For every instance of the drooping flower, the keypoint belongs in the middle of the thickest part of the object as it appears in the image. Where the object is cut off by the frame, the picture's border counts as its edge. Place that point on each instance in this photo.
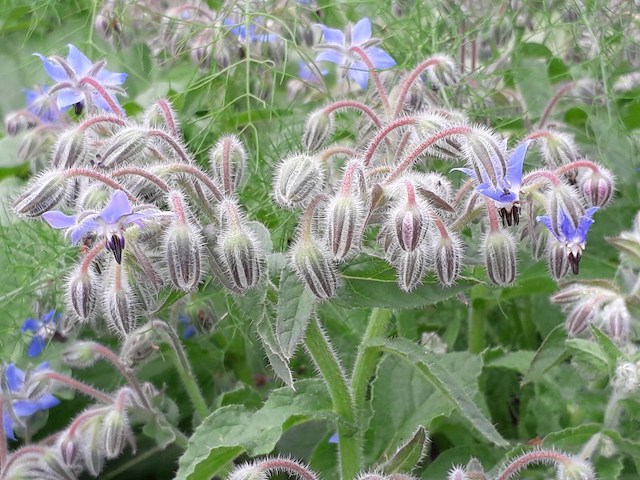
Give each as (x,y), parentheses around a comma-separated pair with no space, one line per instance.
(43,330)
(41,104)
(573,235)
(72,90)
(501,181)
(255,32)
(339,49)
(109,224)
(23,401)
(186,325)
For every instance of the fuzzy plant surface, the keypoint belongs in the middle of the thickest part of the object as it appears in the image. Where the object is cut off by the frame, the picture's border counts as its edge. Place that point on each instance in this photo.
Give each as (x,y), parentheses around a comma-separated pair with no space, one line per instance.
(254,240)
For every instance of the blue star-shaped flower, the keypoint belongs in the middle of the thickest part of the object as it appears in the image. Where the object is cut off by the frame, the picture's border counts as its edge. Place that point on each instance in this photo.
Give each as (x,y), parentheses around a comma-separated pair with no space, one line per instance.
(23,404)
(338,49)
(250,34)
(109,223)
(41,104)
(42,330)
(503,183)
(69,74)
(572,236)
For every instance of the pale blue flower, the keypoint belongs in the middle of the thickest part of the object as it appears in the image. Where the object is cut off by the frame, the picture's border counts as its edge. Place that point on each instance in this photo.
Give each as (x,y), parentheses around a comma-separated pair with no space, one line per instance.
(43,330)
(338,49)
(41,104)
(23,403)
(69,89)
(109,224)
(254,33)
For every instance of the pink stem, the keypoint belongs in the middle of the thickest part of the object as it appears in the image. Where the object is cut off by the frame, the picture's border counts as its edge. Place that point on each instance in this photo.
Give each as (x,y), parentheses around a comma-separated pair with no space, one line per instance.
(142,173)
(554,101)
(494,224)
(178,208)
(200,175)
(537,456)
(104,94)
(577,164)
(91,121)
(466,186)
(307,217)
(336,150)
(284,464)
(172,143)
(401,122)
(354,104)
(405,86)
(86,172)
(168,116)
(374,75)
(91,254)
(79,386)
(409,159)
(19,453)
(549,176)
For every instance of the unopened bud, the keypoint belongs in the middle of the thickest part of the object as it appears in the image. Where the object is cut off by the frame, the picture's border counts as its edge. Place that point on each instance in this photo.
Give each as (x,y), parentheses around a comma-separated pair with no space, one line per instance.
(317,130)
(298,179)
(411,268)
(91,445)
(71,149)
(35,143)
(311,263)
(457,473)
(559,149)
(617,320)
(344,225)
(183,255)
(68,449)
(201,50)
(126,146)
(447,255)
(627,378)
(57,466)
(138,345)
(444,73)
(577,469)
(428,124)
(582,313)
(557,259)
(80,355)
(18,121)
(228,162)
(242,258)
(121,309)
(114,432)
(248,471)
(42,194)
(597,187)
(81,292)
(500,257)
(28,465)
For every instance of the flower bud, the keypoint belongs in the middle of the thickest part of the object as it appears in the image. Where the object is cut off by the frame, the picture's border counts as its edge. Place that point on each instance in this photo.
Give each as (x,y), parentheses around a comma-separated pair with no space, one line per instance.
(317,130)
(344,225)
(311,262)
(248,471)
(457,473)
(499,251)
(627,379)
(34,144)
(70,149)
(57,466)
(127,145)
(114,432)
(447,256)
(409,225)
(68,449)
(582,313)
(183,255)
(42,194)
(228,163)
(298,179)
(427,125)
(201,50)
(444,73)
(80,355)
(90,443)
(242,258)
(28,465)
(558,149)
(18,121)
(557,259)
(617,320)
(597,187)
(411,267)
(81,292)
(138,345)
(577,469)
(121,309)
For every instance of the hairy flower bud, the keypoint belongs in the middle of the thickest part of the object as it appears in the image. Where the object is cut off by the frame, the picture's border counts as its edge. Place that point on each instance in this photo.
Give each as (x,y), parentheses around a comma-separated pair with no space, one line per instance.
(42,194)
(201,50)
(317,130)
(411,267)
(114,432)
(70,149)
(311,262)
(298,179)
(577,469)
(242,258)
(126,146)
(582,313)
(596,187)
(617,320)
(228,162)
(120,308)
(428,124)
(91,445)
(627,378)
(183,255)
(557,259)
(559,149)
(81,292)
(138,345)
(18,121)
(444,73)
(499,250)
(344,225)
(447,256)
(80,355)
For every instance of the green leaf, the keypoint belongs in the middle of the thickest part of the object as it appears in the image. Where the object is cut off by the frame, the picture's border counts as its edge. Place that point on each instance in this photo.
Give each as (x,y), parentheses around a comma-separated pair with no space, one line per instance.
(407,457)
(276,359)
(519,361)
(573,438)
(295,307)
(489,456)
(589,352)
(159,430)
(441,378)
(609,349)
(370,281)
(234,429)
(551,352)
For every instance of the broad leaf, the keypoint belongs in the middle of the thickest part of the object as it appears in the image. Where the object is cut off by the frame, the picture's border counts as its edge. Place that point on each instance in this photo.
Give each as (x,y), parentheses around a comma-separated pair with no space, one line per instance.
(407,457)
(277,360)
(295,307)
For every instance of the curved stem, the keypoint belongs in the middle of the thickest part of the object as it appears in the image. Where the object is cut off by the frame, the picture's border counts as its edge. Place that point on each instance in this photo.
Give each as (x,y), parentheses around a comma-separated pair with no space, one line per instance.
(323,355)
(141,173)
(78,386)
(575,165)
(543,174)
(115,108)
(307,217)
(336,150)
(374,75)
(96,120)
(492,213)
(183,366)
(406,84)
(285,465)
(354,104)
(537,456)
(169,140)
(401,122)
(169,119)
(199,174)
(553,102)
(86,172)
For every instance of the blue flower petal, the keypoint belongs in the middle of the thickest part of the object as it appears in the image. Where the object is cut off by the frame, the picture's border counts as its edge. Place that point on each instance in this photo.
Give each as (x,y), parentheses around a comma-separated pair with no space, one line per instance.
(568,229)
(359,74)
(24,408)
(31,325)
(53,69)
(334,438)
(585,224)
(58,219)
(546,221)
(50,316)
(361,32)
(36,346)
(7,423)
(330,56)
(379,58)
(100,102)
(332,35)
(117,207)
(88,225)
(467,171)
(111,79)
(516,163)
(490,191)
(68,97)
(78,61)
(15,377)
(47,401)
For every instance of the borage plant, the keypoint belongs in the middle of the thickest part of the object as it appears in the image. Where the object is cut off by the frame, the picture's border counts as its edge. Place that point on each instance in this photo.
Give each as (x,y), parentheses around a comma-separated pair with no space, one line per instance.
(406,194)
